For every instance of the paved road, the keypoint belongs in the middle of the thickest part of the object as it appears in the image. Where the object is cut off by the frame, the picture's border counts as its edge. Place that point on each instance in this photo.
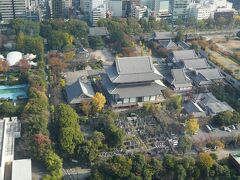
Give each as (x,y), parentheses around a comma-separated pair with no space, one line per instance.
(203,136)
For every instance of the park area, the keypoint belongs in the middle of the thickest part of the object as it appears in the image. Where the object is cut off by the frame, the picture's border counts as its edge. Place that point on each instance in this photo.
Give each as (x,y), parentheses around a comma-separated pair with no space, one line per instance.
(226,63)
(232,45)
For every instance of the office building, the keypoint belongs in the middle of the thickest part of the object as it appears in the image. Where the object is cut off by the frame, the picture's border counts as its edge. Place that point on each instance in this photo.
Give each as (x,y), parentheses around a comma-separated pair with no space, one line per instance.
(115,7)
(160,7)
(57,8)
(10,9)
(179,9)
(94,10)
(67,7)
(98,13)
(139,11)
(212,9)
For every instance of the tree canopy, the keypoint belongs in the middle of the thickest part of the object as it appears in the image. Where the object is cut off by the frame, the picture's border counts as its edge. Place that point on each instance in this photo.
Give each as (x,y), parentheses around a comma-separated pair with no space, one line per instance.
(99,101)
(192,126)
(69,133)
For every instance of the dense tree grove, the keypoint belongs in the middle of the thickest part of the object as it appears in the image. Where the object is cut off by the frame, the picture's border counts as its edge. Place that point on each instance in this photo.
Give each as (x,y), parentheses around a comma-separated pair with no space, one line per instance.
(27,27)
(30,44)
(171,167)
(68,129)
(226,118)
(105,124)
(63,32)
(35,141)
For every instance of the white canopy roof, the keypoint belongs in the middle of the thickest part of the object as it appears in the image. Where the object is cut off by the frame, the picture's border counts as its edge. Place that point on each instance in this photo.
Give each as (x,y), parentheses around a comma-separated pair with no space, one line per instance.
(14,57)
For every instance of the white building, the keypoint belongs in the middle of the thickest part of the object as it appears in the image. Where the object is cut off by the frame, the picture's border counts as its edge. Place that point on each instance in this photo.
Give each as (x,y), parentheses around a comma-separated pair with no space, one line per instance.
(9,130)
(94,10)
(139,11)
(98,13)
(10,9)
(206,8)
(22,169)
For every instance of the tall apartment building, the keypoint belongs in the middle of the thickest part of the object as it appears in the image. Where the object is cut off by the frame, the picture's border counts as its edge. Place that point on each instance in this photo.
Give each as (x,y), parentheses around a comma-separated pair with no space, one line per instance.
(179,9)
(67,7)
(10,9)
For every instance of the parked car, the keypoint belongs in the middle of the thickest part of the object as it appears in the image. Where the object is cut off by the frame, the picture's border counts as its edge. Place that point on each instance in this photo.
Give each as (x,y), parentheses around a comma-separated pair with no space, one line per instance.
(209,129)
(213,128)
(232,127)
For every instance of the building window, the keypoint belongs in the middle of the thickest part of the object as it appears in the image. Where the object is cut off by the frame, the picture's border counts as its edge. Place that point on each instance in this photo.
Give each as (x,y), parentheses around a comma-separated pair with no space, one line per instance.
(152,98)
(132,100)
(126,100)
(146,98)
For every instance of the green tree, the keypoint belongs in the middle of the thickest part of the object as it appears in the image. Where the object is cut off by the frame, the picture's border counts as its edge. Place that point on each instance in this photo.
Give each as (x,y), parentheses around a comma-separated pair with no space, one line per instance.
(180,172)
(175,103)
(60,40)
(96,42)
(69,133)
(119,166)
(7,109)
(226,118)
(54,165)
(138,163)
(69,138)
(185,144)
(169,161)
(20,41)
(180,35)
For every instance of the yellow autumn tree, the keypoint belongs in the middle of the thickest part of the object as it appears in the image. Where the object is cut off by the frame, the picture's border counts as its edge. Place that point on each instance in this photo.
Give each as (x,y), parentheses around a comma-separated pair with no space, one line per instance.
(206,160)
(237,20)
(192,126)
(99,101)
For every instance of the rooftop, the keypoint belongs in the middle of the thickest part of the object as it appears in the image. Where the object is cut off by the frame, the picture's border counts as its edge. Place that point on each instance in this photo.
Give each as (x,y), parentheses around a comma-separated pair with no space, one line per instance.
(98,31)
(22,169)
(213,104)
(204,76)
(210,74)
(168,44)
(133,90)
(184,54)
(79,91)
(133,69)
(72,77)
(199,63)
(162,35)
(179,78)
